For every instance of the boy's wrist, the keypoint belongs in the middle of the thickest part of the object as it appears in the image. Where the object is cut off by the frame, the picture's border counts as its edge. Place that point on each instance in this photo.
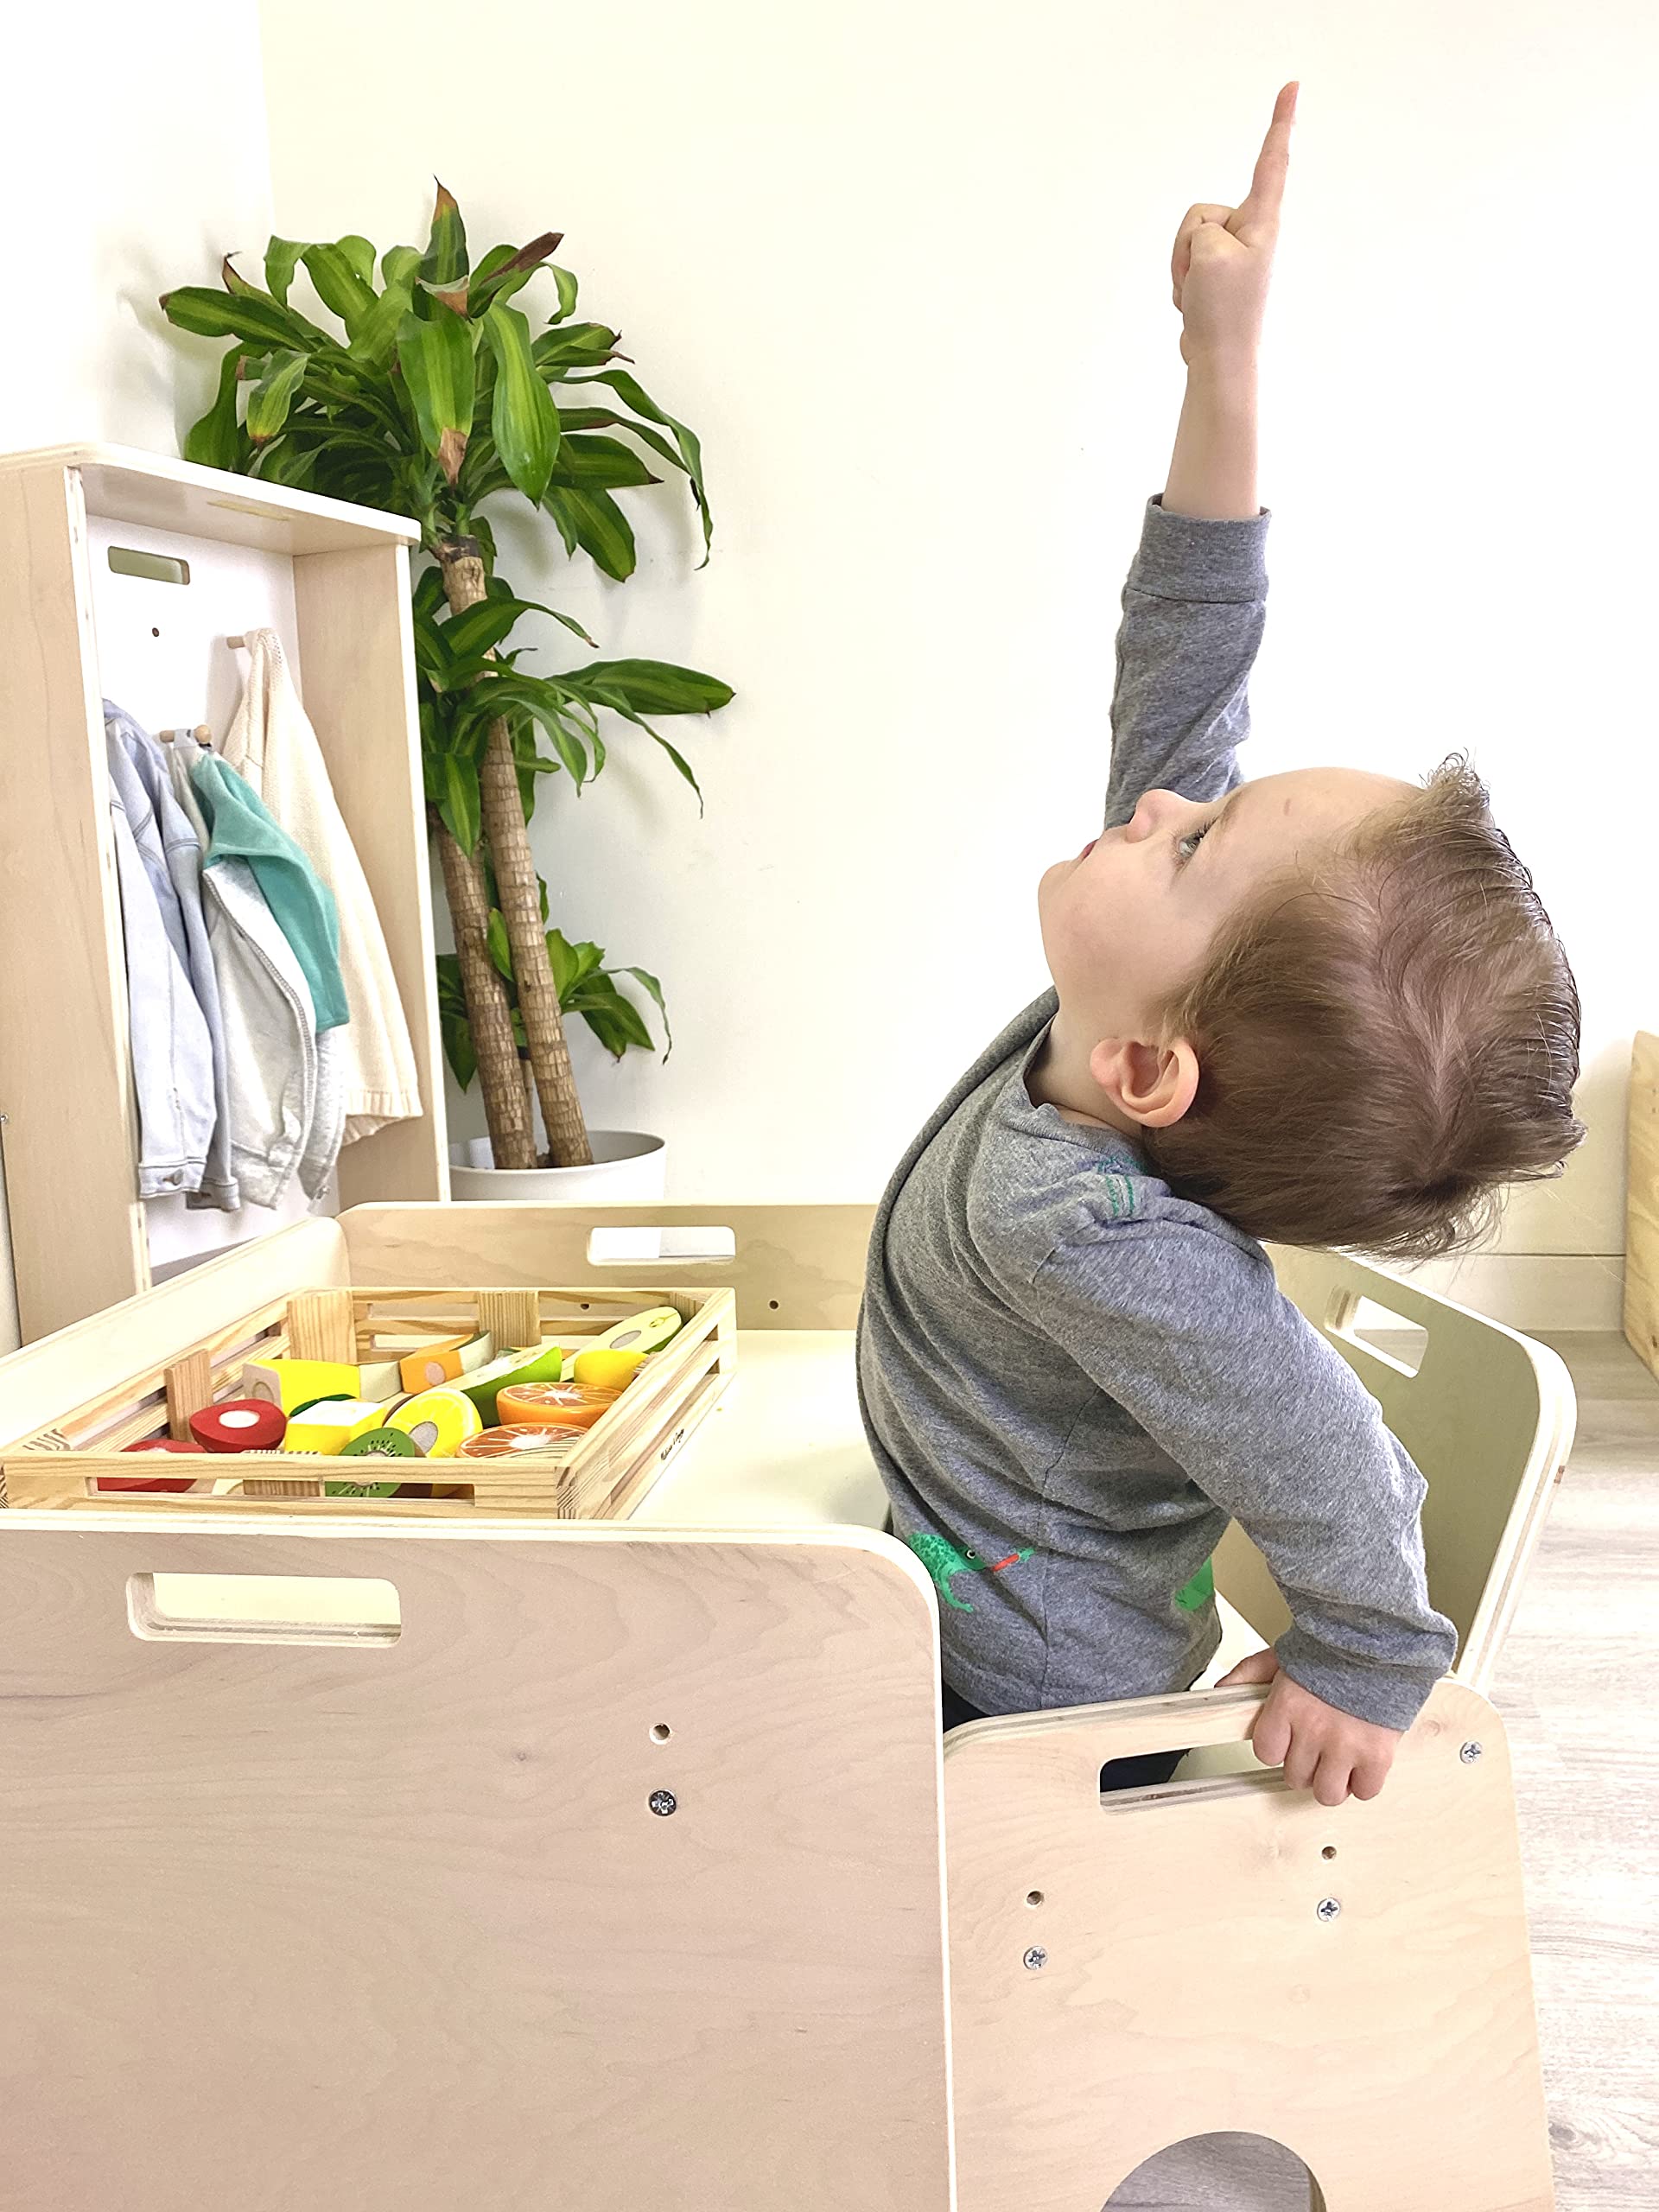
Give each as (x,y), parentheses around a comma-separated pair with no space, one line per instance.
(1229,367)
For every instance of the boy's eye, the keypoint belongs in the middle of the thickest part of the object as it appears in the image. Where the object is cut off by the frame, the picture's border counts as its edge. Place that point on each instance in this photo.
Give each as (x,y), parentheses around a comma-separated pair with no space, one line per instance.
(1193,839)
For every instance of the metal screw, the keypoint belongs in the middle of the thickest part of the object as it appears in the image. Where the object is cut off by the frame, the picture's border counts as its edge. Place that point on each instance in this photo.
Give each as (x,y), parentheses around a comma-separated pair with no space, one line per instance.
(1470,1753)
(663,1802)
(1036,1958)
(1328,1908)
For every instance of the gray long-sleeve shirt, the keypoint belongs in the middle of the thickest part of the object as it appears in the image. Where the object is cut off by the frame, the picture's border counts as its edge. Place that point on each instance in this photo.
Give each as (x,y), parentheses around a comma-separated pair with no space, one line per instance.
(1071,1379)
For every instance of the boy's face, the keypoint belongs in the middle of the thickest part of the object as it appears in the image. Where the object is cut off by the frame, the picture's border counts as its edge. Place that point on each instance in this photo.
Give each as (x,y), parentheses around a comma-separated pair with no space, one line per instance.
(1131,919)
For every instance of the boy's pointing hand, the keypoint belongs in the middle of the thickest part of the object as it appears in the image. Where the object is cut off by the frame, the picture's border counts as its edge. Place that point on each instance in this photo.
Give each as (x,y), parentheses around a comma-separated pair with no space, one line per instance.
(1223,255)
(1320,1747)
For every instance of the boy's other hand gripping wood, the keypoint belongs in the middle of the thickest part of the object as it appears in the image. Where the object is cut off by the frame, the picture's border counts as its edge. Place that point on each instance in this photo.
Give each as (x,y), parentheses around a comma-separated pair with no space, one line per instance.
(1320,1747)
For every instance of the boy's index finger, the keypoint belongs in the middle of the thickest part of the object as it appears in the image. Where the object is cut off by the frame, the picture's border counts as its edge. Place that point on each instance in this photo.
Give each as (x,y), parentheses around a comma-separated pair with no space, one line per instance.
(1267,190)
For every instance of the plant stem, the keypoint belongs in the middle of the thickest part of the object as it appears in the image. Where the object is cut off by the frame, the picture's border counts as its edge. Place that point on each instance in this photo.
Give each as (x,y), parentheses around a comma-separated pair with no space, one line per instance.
(506,1108)
(515,886)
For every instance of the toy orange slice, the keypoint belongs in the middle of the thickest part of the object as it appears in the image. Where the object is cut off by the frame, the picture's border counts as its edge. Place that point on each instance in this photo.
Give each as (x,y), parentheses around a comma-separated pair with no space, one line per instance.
(525,1440)
(553,1405)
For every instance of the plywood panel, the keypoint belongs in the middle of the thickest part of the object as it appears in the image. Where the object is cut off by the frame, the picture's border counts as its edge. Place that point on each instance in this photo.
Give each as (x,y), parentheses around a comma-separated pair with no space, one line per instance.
(1131,1971)
(391,1926)
(77,1227)
(358,657)
(795,1267)
(1642,1204)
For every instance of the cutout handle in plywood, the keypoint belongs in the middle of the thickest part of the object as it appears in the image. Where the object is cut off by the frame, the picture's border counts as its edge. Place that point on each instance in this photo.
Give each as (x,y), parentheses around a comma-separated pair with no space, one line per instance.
(1361,1321)
(336,1609)
(692,1248)
(155,568)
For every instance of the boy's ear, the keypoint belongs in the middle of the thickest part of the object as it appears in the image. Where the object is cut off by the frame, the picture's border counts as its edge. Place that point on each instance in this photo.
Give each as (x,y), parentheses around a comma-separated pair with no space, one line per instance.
(1153,1084)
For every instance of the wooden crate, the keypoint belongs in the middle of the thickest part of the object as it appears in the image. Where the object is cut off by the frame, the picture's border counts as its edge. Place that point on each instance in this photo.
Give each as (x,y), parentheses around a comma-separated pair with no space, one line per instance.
(601,1474)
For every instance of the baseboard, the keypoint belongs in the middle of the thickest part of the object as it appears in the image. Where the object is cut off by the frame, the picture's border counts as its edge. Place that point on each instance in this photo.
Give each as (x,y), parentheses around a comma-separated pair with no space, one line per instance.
(1532,1291)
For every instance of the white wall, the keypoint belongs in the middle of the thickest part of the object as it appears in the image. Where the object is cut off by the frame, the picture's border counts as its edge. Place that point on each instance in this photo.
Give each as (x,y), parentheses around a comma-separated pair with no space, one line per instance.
(905,267)
(135,150)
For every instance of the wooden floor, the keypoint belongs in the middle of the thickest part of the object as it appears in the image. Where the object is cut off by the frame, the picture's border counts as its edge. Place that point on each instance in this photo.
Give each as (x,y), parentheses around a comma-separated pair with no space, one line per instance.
(1575,1686)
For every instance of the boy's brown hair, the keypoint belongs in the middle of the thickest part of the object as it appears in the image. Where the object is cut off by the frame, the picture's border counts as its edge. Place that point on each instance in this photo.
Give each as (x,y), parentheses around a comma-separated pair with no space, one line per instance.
(1384,1041)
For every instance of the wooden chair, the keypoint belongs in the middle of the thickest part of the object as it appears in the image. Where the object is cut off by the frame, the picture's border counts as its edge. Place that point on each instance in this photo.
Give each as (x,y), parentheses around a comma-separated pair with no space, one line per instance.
(1223,1954)
(376,1902)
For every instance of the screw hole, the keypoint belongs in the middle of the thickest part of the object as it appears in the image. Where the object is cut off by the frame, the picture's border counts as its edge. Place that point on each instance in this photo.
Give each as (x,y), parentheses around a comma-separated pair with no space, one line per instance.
(1330,1851)
(1033,1897)
(661,1733)
(155,633)
(773,1304)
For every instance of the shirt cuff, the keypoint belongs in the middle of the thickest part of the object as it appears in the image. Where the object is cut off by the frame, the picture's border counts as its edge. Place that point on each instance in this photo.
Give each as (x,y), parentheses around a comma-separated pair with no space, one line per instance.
(1391,1697)
(1192,556)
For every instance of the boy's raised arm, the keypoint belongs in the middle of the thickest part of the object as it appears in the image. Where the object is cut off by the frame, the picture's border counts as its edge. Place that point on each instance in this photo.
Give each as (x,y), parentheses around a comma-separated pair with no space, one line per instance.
(1193,604)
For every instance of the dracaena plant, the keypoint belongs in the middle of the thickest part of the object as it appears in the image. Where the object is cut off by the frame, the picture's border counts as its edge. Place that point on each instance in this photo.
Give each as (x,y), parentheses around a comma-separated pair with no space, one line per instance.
(439,398)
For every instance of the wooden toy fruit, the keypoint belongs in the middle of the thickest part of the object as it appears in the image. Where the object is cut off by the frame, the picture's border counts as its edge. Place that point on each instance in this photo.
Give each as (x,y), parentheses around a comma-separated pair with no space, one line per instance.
(535,1442)
(647,1331)
(607,1367)
(438,1421)
(553,1405)
(328,1428)
(542,1363)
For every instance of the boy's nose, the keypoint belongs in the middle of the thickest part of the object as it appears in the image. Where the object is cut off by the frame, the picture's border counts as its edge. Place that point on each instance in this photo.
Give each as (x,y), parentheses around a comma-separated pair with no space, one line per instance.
(1152,811)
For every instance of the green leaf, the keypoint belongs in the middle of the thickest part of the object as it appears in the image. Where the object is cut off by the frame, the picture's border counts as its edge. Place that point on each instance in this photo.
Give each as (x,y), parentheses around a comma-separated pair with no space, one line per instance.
(359,254)
(504,271)
(524,420)
(457,1033)
(250,316)
(477,628)
(458,800)
(649,982)
(427,596)
(571,964)
(281,258)
(682,765)
(216,441)
(567,290)
(630,391)
(400,265)
(601,463)
(376,335)
(649,687)
(443,266)
(339,287)
(436,359)
(574,346)
(501,948)
(272,397)
(615,1022)
(594,521)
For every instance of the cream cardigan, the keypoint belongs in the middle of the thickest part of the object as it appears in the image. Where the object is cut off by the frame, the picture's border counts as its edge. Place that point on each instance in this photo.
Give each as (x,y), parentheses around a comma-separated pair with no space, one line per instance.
(271,744)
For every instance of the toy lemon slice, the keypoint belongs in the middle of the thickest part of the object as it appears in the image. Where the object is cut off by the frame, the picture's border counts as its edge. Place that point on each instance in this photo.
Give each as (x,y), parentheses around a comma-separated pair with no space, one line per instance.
(438,1422)
(647,1331)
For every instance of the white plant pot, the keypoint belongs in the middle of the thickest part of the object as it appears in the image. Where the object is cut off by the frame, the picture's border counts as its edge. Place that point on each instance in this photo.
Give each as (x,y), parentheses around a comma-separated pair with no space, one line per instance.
(629,1167)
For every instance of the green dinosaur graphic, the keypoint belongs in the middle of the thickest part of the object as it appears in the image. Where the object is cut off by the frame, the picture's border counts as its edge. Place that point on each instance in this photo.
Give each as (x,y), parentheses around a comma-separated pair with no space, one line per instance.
(944,1562)
(1199,1591)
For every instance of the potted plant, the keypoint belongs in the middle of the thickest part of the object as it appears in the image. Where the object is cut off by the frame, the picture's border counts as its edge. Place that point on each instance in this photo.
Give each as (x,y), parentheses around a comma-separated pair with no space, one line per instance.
(439,398)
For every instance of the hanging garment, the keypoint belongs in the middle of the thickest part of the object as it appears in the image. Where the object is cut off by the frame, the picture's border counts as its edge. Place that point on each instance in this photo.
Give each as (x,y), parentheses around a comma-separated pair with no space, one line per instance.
(270,1023)
(272,744)
(172,1051)
(181,852)
(243,829)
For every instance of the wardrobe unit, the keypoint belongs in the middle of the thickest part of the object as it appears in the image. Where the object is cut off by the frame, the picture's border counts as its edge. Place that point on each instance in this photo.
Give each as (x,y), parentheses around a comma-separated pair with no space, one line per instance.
(125,574)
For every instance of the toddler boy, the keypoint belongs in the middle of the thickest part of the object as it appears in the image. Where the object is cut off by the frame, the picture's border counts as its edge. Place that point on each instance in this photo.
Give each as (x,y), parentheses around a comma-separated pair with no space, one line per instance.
(1325,1008)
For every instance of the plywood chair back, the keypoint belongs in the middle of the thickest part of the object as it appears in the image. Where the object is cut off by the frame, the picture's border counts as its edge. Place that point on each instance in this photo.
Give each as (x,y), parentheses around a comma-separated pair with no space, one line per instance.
(1131,1971)
(597,1869)
(794,1266)
(1486,1413)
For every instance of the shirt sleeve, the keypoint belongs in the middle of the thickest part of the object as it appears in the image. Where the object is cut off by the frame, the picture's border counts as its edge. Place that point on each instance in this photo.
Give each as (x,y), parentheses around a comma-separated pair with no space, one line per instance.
(1194,604)
(1190,1334)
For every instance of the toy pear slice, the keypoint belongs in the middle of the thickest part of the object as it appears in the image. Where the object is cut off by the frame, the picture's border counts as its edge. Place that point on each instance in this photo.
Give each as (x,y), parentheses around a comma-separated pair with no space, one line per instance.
(544,1364)
(647,1331)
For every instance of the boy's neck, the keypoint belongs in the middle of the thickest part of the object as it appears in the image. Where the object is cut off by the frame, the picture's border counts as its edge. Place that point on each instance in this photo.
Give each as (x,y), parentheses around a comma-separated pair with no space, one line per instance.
(1059,1078)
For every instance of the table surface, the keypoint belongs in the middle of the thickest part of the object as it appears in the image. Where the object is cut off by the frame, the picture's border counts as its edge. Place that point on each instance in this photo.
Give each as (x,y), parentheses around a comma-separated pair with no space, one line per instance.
(784,1446)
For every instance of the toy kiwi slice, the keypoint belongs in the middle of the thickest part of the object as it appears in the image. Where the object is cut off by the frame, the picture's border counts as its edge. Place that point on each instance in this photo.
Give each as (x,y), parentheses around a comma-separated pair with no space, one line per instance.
(639,1332)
